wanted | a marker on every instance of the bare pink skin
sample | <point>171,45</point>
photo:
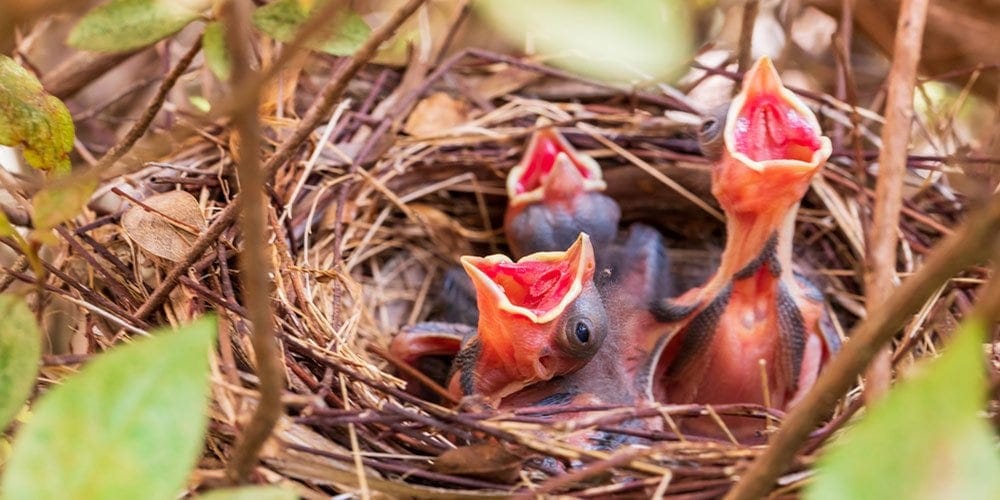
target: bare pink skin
<point>753,320</point>
<point>539,318</point>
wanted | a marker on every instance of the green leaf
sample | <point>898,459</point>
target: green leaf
<point>6,228</point>
<point>213,44</point>
<point>122,25</point>
<point>925,440</point>
<point>20,350</point>
<point>61,201</point>
<point>341,36</point>
<point>200,103</point>
<point>129,425</point>
<point>627,42</point>
<point>250,493</point>
<point>33,120</point>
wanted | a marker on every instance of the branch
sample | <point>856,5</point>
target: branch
<point>255,266</point>
<point>882,244</point>
<point>139,127</point>
<point>332,92</point>
<point>744,53</point>
<point>971,243</point>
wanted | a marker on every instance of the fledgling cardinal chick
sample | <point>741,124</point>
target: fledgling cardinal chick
<point>554,194</point>
<point>539,318</point>
<point>768,147</point>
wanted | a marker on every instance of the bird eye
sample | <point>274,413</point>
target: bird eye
<point>707,125</point>
<point>710,137</point>
<point>581,338</point>
<point>582,332</point>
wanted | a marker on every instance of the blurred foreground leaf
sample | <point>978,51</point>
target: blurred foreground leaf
<point>215,50</point>
<point>33,120</point>
<point>20,350</point>
<point>633,41</point>
<point>129,425</point>
<point>340,37</point>
<point>121,25</point>
<point>925,440</point>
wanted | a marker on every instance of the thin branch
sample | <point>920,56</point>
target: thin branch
<point>332,92</point>
<point>881,266</point>
<point>206,239</point>
<point>255,266</point>
<point>745,50</point>
<point>139,127</point>
<point>971,243</point>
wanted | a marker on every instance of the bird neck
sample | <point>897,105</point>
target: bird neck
<point>748,238</point>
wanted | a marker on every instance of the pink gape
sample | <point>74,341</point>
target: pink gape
<point>755,320</point>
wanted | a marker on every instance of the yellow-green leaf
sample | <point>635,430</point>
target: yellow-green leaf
<point>631,41</point>
<point>33,120</point>
<point>213,44</point>
<point>250,493</point>
<point>341,36</point>
<point>20,350</point>
<point>121,25</point>
<point>6,228</point>
<point>61,201</point>
<point>925,440</point>
<point>131,424</point>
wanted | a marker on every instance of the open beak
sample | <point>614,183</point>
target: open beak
<point>537,288</point>
<point>773,145</point>
<point>552,170</point>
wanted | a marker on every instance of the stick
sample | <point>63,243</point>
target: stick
<point>881,268</point>
<point>255,266</point>
<point>745,52</point>
<point>972,242</point>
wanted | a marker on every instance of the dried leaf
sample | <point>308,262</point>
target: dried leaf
<point>168,232</point>
<point>488,460</point>
<point>33,120</point>
<point>506,81</point>
<point>435,114</point>
<point>121,25</point>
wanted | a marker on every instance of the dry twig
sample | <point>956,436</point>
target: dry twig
<point>971,243</point>
<point>880,274</point>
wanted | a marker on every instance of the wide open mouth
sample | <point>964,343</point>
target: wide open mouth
<point>538,286</point>
<point>769,123</point>
<point>527,180</point>
<point>768,128</point>
<point>541,157</point>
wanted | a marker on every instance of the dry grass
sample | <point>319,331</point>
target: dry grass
<point>413,205</point>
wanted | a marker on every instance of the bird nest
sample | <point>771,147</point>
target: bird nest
<point>405,176</point>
